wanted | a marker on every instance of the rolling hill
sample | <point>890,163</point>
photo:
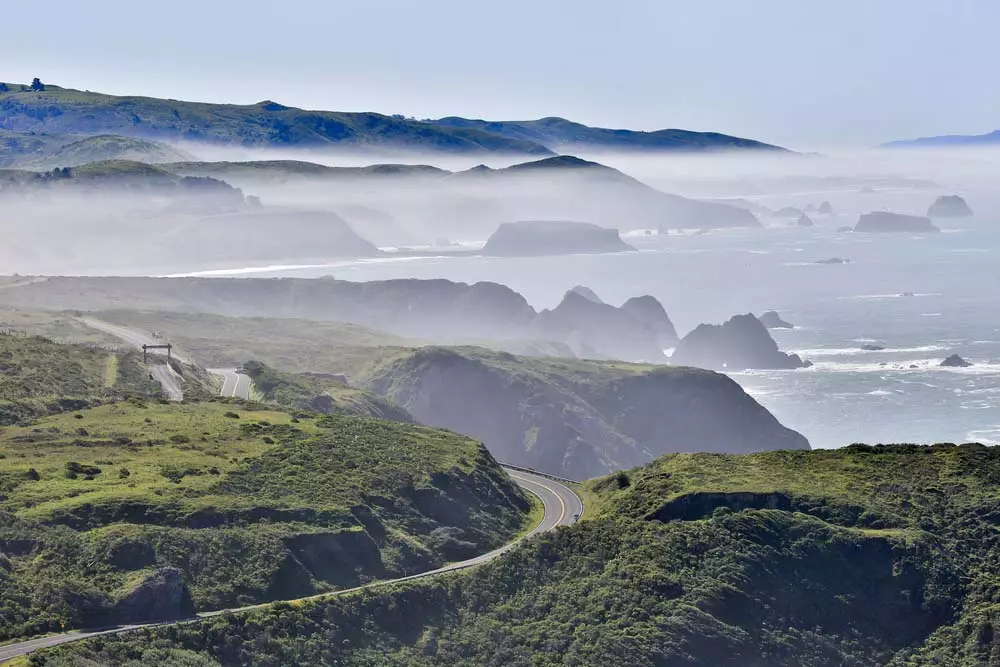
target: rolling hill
<point>857,557</point>
<point>59,110</point>
<point>561,135</point>
<point>948,141</point>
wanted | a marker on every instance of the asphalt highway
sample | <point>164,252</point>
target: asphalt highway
<point>234,385</point>
<point>562,507</point>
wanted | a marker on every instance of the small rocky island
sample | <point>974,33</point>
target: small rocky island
<point>805,221</point>
<point>772,320</point>
<point>740,344</point>
<point>887,222</point>
<point>534,238</point>
<point>955,361</point>
<point>949,206</point>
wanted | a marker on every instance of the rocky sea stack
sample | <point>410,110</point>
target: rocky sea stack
<point>549,237</point>
<point>772,320</point>
<point>886,222</point>
<point>955,361</point>
<point>740,344</point>
<point>949,206</point>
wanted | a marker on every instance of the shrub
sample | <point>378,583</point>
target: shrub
<point>74,469</point>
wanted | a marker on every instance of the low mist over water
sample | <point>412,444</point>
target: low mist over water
<point>922,298</point>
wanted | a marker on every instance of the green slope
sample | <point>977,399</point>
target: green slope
<point>320,392</point>
<point>136,510</point>
<point>39,377</point>
<point>265,124</point>
<point>859,557</point>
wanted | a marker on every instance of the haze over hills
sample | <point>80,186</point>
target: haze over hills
<point>421,202</point>
<point>54,110</point>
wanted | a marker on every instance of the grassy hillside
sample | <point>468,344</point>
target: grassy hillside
<point>320,392</point>
<point>859,557</point>
<point>573,417</point>
<point>265,124</point>
<point>144,510</point>
<point>560,134</point>
<point>39,376</point>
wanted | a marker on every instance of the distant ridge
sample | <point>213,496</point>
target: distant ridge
<point>989,139</point>
<point>57,110</point>
<point>559,134</point>
<point>65,111</point>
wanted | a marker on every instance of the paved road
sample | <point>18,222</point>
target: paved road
<point>235,385</point>
<point>162,373</point>
<point>562,508</point>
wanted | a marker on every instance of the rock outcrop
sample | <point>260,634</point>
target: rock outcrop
<point>955,361</point>
<point>871,347</point>
<point>949,206</point>
<point>825,208</point>
<point>772,320</point>
<point>741,343</point>
<point>160,595</point>
<point>805,221</point>
<point>587,293</point>
<point>887,222</point>
<point>599,330</point>
<point>550,237</point>
<point>651,315</point>
<point>833,260</point>
<point>788,212</point>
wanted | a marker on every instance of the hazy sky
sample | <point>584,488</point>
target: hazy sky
<point>803,73</point>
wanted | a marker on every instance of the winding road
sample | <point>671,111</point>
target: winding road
<point>562,507</point>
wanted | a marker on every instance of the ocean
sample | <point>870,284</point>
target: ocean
<point>921,297</point>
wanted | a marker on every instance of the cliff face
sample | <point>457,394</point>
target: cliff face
<point>543,237</point>
<point>739,344</point>
<point>884,221</point>
<point>577,418</point>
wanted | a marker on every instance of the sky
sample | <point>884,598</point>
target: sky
<point>807,74</point>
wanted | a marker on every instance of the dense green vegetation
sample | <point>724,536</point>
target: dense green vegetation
<point>39,377</point>
<point>865,556</point>
<point>320,392</point>
<point>138,510</point>
<point>57,110</point>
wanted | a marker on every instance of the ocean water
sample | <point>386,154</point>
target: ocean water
<point>922,297</point>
